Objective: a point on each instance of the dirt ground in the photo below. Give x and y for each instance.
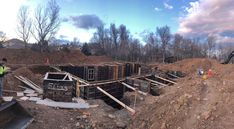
(193, 103)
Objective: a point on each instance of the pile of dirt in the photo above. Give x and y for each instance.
(188, 66)
(22, 56)
(193, 103)
(12, 83)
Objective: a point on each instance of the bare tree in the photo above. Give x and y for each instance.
(176, 46)
(24, 24)
(46, 23)
(165, 36)
(210, 44)
(114, 36)
(124, 39)
(2, 38)
(134, 50)
(151, 47)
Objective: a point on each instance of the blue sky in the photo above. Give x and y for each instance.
(137, 15)
(190, 18)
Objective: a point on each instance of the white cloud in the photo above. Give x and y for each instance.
(8, 23)
(209, 17)
(157, 9)
(70, 32)
(167, 6)
(8, 13)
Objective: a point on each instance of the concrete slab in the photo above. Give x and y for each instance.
(20, 94)
(66, 105)
(7, 98)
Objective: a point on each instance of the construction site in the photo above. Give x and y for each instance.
(73, 92)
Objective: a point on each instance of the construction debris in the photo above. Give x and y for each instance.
(30, 84)
(34, 99)
(24, 98)
(29, 91)
(7, 98)
(20, 94)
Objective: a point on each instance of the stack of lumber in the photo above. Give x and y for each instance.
(30, 84)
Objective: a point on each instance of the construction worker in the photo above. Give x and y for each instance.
(3, 71)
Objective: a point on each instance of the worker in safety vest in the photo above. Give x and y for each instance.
(3, 71)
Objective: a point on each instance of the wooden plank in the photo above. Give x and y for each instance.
(111, 81)
(73, 76)
(65, 77)
(30, 85)
(134, 89)
(116, 100)
(23, 87)
(101, 83)
(39, 90)
(71, 64)
(10, 91)
(165, 79)
(29, 91)
(57, 69)
(155, 82)
(24, 98)
(79, 79)
(173, 75)
(32, 95)
(31, 82)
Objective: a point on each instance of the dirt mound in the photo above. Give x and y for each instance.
(22, 56)
(189, 66)
(12, 83)
(193, 103)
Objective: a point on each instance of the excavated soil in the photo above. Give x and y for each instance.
(21, 56)
(193, 103)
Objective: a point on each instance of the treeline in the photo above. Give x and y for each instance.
(159, 45)
(115, 41)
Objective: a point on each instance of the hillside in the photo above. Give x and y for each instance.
(194, 103)
(22, 56)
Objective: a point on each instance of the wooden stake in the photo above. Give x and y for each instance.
(56, 68)
(116, 100)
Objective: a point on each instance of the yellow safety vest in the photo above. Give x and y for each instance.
(2, 71)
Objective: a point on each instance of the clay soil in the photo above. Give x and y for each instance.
(193, 103)
(21, 56)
